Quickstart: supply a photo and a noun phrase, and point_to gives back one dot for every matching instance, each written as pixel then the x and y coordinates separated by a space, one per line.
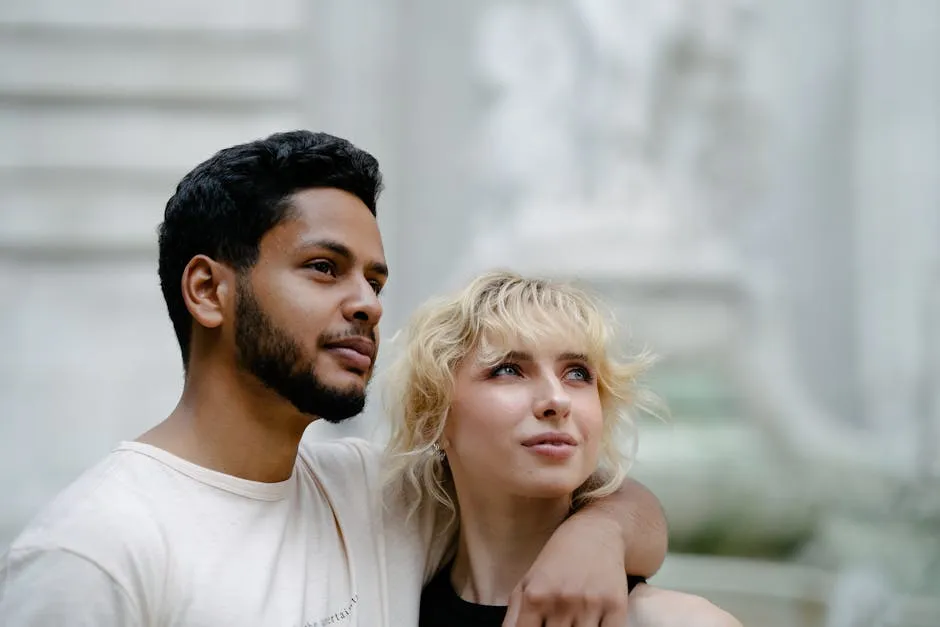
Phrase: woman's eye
pixel 580 373
pixel 505 369
pixel 326 267
pixel 376 286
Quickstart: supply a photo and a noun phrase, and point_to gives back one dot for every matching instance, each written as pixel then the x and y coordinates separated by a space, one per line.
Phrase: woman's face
pixel 531 425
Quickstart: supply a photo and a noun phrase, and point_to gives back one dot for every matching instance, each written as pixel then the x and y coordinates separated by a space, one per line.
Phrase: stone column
pixel 889 522
pixel 897 200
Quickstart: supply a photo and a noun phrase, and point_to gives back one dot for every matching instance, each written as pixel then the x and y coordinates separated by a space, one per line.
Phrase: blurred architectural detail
pixel 622 148
pixel 624 113
pixel 862 598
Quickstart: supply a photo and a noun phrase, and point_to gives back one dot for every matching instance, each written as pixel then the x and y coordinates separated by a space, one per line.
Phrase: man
pixel 271 265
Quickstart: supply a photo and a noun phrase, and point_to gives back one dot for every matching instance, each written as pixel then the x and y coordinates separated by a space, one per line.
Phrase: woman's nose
pixel 554 402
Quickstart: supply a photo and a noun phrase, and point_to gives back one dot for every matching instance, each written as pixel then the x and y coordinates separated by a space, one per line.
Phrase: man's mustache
pixel 363 331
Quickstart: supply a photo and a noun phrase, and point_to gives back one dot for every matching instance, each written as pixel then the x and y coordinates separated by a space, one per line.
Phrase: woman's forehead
pixel 552 344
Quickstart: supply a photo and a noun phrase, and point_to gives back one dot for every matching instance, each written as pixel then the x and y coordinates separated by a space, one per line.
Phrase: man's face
pixel 307 312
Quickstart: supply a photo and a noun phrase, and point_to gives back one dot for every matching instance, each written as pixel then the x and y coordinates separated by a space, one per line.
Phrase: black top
pixel 441 606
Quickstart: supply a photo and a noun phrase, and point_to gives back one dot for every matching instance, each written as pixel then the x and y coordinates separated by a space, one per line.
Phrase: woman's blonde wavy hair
pixel 493 311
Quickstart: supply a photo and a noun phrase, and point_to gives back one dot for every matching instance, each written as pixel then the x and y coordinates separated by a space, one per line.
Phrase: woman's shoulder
pixel 650 606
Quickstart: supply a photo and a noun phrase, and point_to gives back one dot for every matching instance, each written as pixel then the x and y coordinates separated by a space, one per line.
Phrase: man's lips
pixel 358 351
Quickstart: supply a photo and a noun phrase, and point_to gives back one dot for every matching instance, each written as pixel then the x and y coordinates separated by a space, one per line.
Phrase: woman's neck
pixel 500 538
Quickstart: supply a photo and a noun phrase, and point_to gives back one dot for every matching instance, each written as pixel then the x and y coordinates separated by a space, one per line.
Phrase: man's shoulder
pixel 99 549
pixel 341 454
pixel 102 510
pixel 349 471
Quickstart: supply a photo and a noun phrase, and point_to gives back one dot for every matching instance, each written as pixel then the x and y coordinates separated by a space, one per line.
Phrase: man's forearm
pixel 640 518
pixel 580 573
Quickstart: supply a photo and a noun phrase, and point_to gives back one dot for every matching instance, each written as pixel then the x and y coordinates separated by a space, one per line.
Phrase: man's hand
pixel 578 579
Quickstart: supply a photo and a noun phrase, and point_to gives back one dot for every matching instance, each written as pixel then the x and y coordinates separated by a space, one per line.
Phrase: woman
pixel 509 398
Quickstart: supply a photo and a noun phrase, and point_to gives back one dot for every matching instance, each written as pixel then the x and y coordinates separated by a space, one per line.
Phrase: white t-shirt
pixel 146 538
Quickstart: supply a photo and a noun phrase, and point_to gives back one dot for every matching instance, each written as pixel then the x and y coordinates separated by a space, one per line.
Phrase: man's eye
pixel 376 286
pixel 326 267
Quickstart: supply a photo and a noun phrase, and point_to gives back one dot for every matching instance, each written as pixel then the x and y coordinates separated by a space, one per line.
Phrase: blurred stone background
pixel 751 184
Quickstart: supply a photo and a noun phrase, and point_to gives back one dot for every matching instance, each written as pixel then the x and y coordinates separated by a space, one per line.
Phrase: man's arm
pixel 43 588
pixel 581 574
pixel 637 514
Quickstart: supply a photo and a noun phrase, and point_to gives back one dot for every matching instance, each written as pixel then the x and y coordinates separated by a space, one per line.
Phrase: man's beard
pixel 277 360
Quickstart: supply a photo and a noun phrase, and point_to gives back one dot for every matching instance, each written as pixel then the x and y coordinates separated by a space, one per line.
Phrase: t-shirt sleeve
pixel 50 587
pixel 427 529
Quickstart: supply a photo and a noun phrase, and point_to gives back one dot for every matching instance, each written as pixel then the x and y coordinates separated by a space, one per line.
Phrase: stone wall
pixel 103 107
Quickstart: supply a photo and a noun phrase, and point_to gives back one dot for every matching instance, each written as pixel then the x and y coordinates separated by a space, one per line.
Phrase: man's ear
pixel 208 287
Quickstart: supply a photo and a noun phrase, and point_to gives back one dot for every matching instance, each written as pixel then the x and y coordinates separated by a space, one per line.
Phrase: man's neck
pixel 231 423
pixel 500 538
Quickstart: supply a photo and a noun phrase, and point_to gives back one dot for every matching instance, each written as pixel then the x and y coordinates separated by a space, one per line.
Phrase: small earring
pixel 438 451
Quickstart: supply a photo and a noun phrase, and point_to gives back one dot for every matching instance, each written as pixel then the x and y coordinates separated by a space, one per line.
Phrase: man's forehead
pixel 324 216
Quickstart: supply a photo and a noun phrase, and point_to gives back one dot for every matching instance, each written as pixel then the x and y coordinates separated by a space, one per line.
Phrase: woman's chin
pixel 550 488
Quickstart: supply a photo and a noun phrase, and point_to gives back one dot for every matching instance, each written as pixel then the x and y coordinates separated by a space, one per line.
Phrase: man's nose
pixel 363 305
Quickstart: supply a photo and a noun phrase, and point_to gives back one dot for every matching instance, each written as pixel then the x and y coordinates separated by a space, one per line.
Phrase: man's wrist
pixel 598 523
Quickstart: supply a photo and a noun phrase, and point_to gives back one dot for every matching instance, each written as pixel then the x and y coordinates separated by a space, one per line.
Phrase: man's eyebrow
pixel 329 244
pixel 343 250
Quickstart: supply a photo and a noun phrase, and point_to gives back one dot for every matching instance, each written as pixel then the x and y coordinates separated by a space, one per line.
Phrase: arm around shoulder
pixel 50 587
pixel 638 518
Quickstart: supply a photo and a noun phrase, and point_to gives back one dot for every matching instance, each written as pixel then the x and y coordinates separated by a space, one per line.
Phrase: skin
pixel 654 607
pixel 550 388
